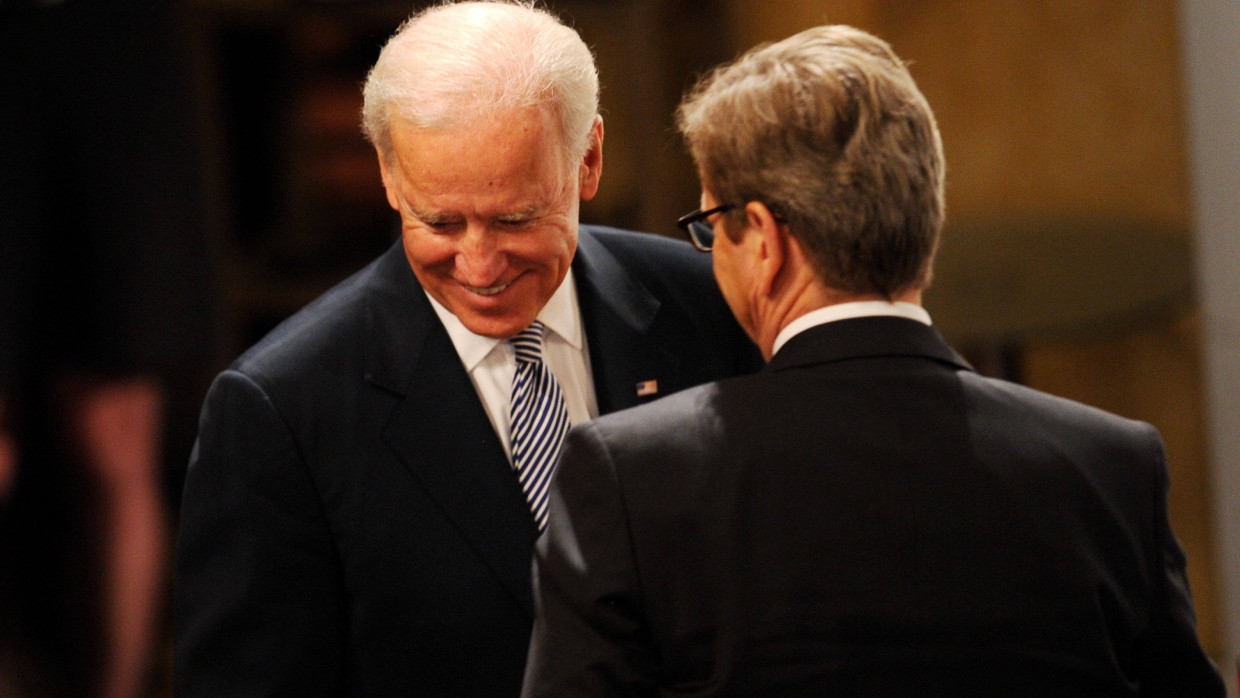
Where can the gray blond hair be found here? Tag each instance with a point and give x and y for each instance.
(451, 64)
(828, 129)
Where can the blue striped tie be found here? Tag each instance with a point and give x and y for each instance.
(538, 420)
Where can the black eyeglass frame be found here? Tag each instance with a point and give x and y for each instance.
(701, 233)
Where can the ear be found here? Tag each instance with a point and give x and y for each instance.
(389, 186)
(591, 170)
(772, 242)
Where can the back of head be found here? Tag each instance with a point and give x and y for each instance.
(828, 129)
(454, 63)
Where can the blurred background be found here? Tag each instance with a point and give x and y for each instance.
(1091, 248)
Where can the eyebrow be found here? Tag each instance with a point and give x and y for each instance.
(423, 216)
(432, 219)
(531, 211)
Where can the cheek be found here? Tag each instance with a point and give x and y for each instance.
(563, 251)
(726, 276)
(551, 252)
(719, 266)
(427, 251)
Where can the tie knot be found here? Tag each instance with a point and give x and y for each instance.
(528, 343)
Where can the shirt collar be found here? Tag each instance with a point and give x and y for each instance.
(559, 315)
(848, 311)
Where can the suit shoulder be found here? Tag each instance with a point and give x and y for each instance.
(323, 332)
(692, 414)
(1020, 396)
(1040, 415)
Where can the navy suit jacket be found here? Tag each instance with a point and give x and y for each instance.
(350, 522)
(864, 517)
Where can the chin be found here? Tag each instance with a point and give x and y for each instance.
(495, 327)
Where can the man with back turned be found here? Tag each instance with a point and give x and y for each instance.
(867, 516)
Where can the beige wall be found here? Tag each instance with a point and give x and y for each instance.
(1211, 47)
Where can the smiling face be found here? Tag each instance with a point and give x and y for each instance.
(489, 214)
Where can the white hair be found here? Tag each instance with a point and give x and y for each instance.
(454, 63)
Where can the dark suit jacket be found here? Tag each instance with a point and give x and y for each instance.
(351, 525)
(865, 517)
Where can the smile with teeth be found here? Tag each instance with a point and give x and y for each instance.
(488, 290)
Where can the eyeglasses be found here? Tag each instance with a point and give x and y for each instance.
(701, 233)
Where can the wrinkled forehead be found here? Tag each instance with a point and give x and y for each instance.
(489, 170)
(522, 139)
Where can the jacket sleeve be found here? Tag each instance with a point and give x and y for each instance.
(1169, 657)
(258, 601)
(589, 636)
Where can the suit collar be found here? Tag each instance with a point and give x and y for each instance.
(866, 337)
(609, 286)
(618, 313)
(848, 311)
(398, 319)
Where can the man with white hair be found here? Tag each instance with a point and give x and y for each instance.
(369, 479)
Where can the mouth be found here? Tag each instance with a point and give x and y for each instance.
(487, 290)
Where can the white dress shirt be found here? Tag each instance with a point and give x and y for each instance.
(847, 311)
(492, 363)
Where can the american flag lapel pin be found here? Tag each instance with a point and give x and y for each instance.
(647, 388)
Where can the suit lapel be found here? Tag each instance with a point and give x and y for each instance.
(440, 431)
(617, 313)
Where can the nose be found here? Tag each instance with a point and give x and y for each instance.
(479, 259)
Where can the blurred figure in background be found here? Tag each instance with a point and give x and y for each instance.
(104, 316)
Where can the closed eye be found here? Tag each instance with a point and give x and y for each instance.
(513, 223)
(441, 225)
